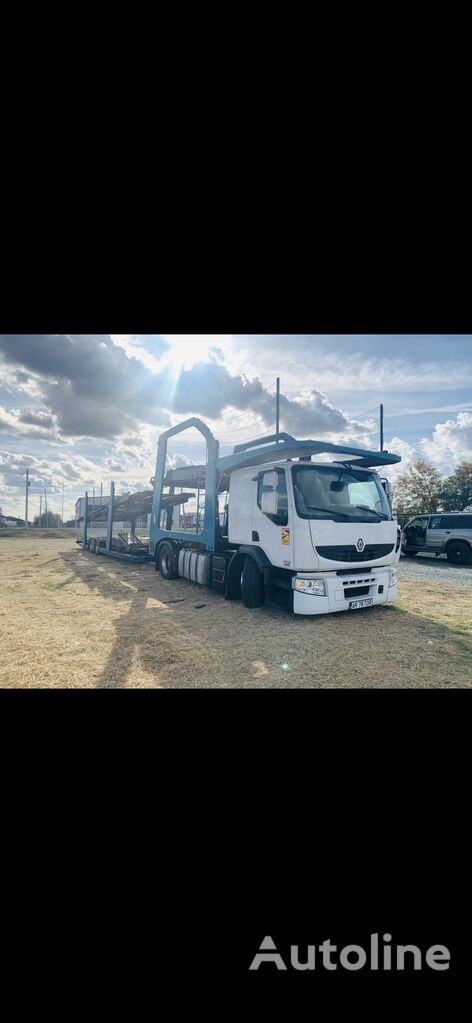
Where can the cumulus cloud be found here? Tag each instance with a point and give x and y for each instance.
(36, 425)
(451, 442)
(37, 418)
(93, 387)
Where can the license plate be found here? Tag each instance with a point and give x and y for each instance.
(361, 603)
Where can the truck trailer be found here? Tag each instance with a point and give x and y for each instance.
(280, 526)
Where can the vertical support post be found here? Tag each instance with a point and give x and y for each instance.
(197, 527)
(381, 427)
(26, 503)
(211, 496)
(277, 412)
(170, 510)
(110, 516)
(40, 509)
(84, 535)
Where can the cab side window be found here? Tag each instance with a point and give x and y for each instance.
(281, 519)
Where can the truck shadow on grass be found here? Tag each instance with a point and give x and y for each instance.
(144, 596)
(180, 635)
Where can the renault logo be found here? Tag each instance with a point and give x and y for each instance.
(360, 545)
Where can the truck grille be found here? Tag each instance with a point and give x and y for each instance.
(370, 552)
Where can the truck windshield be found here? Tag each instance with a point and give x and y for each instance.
(342, 494)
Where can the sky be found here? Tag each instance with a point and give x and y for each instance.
(80, 410)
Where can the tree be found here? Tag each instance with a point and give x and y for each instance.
(51, 520)
(456, 494)
(418, 491)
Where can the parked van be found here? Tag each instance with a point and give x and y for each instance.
(443, 533)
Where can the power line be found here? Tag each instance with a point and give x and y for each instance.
(360, 415)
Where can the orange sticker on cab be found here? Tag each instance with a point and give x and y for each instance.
(285, 536)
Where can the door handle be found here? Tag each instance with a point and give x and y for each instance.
(447, 531)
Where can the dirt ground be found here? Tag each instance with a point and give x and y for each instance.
(71, 619)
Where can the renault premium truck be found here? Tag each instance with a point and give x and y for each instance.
(277, 525)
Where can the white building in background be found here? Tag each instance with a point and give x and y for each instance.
(97, 503)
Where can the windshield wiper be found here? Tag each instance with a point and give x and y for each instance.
(364, 507)
(328, 511)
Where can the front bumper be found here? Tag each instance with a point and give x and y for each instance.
(338, 587)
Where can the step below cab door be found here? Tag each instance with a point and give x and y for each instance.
(438, 532)
(271, 525)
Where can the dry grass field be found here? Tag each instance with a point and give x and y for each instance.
(71, 619)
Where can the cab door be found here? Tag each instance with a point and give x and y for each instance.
(273, 532)
(438, 532)
(415, 532)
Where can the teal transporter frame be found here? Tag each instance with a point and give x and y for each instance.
(256, 452)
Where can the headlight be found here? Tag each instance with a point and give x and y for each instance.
(393, 577)
(315, 586)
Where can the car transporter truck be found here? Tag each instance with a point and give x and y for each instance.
(278, 527)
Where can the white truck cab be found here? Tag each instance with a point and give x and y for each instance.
(327, 524)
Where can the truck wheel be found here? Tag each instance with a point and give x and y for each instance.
(166, 561)
(252, 585)
(458, 552)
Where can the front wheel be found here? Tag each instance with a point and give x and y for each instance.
(252, 585)
(458, 552)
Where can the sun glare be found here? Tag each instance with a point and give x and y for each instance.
(187, 349)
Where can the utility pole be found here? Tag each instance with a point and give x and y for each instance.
(381, 427)
(63, 504)
(46, 504)
(40, 509)
(26, 503)
(277, 411)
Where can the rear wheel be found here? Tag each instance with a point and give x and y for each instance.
(166, 562)
(458, 552)
(252, 585)
(409, 554)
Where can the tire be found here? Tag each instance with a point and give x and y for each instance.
(458, 552)
(252, 585)
(410, 554)
(166, 562)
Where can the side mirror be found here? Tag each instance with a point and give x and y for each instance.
(387, 487)
(270, 480)
(269, 502)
